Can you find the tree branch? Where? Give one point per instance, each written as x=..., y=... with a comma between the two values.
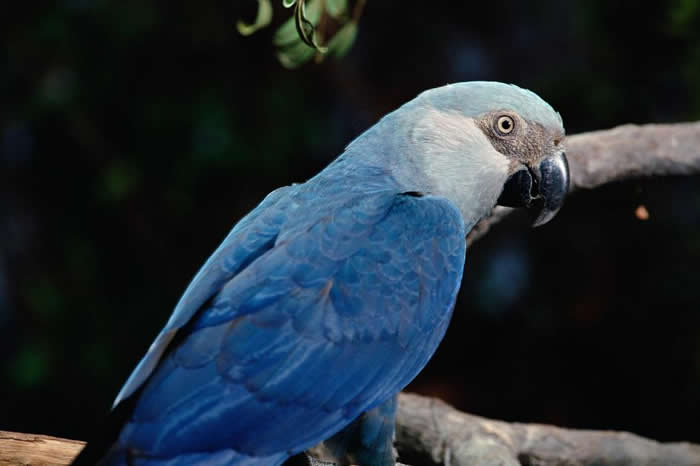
x=628, y=151
x=36, y=450
x=433, y=433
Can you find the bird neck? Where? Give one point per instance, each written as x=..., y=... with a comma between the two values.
x=433, y=153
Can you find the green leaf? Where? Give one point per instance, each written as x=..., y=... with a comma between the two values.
x=336, y=8
x=312, y=11
x=342, y=41
x=262, y=19
x=288, y=3
x=306, y=27
x=296, y=54
x=287, y=34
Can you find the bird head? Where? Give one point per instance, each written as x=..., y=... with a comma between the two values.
x=538, y=171
x=480, y=144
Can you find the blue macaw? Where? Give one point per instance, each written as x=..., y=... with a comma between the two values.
x=331, y=295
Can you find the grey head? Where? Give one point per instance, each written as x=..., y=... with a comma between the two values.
x=478, y=144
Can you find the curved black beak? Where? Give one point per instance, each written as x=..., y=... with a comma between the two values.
x=540, y=188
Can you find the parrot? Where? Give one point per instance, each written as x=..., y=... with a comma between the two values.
x=331, y=295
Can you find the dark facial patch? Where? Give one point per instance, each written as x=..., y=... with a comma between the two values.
x=527, y=142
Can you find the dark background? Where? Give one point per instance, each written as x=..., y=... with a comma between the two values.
x=133, y=134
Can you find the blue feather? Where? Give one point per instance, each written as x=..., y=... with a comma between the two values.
x=310, y=321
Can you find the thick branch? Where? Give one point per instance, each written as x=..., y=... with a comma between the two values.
x=624, y=152
x=631, y=151
x=36, y=450
x=430, y=431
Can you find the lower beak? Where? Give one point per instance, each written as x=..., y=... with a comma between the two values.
x=540, y=188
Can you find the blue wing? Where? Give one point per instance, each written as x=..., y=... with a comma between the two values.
x=319, y=322
x=249, y=238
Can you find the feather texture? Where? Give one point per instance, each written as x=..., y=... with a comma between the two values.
x=303, y=323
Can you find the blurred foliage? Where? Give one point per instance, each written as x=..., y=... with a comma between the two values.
x=134, y=134
x=263, y=18
x=684, y=16
x=312, y=24
x=30, y=366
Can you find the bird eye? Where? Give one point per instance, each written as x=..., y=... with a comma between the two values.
x=505, y=124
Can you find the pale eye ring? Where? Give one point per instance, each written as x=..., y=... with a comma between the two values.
x=505, y=124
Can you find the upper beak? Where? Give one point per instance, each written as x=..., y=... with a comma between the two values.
x=541, y=188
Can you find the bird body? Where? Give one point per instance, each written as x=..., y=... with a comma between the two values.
x=329, y=297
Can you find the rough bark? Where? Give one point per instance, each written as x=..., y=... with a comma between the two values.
x=36, y=450
x=431, y=432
